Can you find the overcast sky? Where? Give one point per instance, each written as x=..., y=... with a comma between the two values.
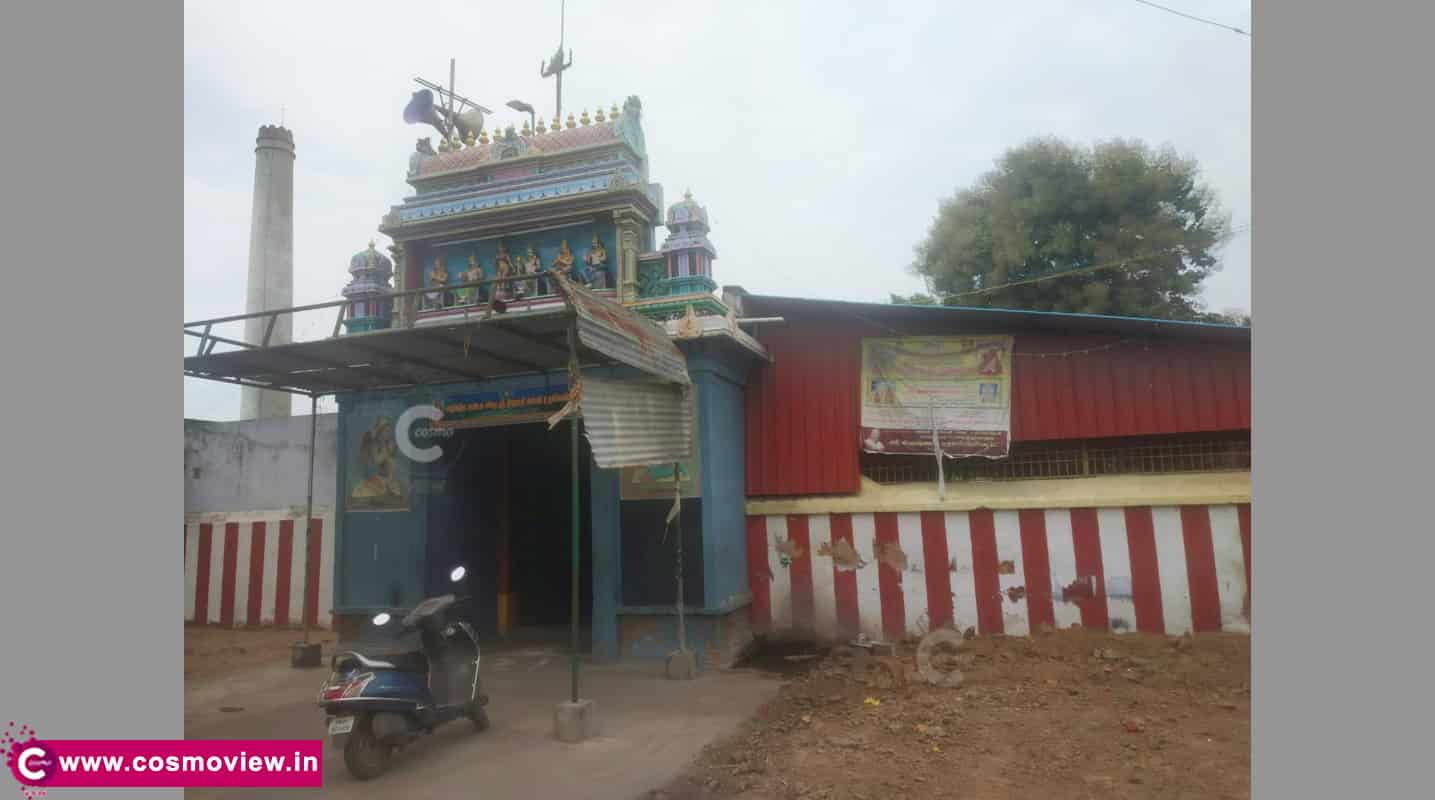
x=820, y=135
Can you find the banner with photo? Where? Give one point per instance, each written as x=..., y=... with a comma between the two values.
x=959, y=385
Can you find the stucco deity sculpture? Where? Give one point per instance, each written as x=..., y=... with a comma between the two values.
x=437, y=278
x=503, y=268
x=473, y=273
x=597, y=262
x=532, y=265
x=563, y=262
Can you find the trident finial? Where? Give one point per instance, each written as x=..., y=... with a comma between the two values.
x=556, y=66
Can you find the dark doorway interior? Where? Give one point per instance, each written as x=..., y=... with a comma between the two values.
x=514, y=506
x=541, y=519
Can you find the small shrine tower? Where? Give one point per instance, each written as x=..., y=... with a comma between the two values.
x=369, y=289
x=679, y=275
x=689, y=253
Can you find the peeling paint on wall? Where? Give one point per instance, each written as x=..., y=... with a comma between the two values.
x=1083, y=588
x=891, y=555
x=789, y=548
x=1062, y=568
x=843, y=556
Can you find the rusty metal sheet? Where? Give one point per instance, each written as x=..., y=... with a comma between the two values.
x=622, y=335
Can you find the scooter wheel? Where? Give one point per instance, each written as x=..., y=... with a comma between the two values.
x=479, y=715
x=365, y=756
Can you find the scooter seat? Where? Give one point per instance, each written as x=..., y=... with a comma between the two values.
x=371, y=663
x=403, y=662
x=409, y=662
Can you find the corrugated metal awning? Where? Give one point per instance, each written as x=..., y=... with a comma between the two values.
x=636, y=422
x=488, y=344
x=608, y=328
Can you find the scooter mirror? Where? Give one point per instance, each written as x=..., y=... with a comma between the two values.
x=457, y=574
x=381, y=618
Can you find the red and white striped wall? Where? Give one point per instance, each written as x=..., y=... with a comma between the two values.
x=248, y=569
x=1162, y=569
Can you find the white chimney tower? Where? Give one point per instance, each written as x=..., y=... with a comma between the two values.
x=271, y=258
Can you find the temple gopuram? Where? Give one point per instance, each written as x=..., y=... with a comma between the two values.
x=575, y=198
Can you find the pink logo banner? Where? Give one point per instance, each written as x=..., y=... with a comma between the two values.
x=155, y=763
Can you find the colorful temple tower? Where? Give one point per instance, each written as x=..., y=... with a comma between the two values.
x=369, y=289
x=575, y=199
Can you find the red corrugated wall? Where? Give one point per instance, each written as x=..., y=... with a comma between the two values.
x=803, y=411
x=1136, y=388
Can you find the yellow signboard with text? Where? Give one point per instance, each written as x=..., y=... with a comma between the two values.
x=957, y=386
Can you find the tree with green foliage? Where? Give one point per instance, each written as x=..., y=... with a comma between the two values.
x=1231, y=316
x=918, y=299
x=1133, y=226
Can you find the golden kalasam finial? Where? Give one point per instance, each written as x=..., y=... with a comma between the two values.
x=483, y=136
x=571, y=122
x=443, y=145
x=557, y=123
x=527, y=131
x=542, y=126
x=470, y=139
x=613, y=113
x=585, y=119
x=598, y=116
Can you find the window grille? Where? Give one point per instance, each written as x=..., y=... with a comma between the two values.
x=1155, y=455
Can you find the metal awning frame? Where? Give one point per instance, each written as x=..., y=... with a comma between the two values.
x=526, y=342
x=315, y=372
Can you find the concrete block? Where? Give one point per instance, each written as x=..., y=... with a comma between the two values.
x=303, y=655
x=682, y=665
x=575, y=722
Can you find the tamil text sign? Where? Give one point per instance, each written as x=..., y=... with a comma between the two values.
x=959, y=386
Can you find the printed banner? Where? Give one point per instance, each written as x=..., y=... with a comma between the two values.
x=959, y=385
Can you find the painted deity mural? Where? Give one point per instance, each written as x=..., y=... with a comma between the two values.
x=376, y=484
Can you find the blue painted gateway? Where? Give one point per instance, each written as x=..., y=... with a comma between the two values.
x=476, y=469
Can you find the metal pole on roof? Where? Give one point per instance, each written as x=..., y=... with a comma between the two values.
x=309, y=505
x=573, y=481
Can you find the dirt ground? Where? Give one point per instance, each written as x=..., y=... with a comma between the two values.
x=1070, y=714
x=212, y=652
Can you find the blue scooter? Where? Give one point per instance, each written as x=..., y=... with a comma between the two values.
x=400, y=681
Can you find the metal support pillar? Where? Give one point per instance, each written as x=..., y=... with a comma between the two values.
x=305, y=654
x=573, y=480
x=309, y=506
